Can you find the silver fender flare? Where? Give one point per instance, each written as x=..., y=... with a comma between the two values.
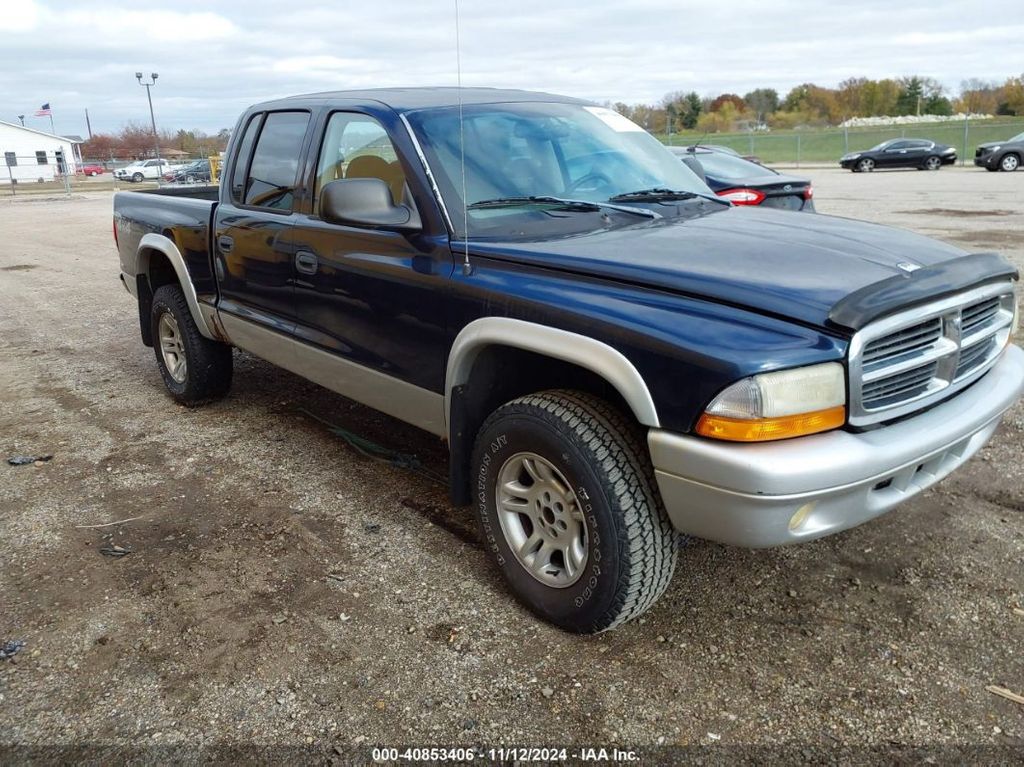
x=586, y=352
x=162, y=244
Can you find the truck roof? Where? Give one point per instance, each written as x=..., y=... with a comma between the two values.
x=409, y=99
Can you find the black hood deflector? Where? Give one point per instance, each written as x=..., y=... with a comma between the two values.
x=924, y=285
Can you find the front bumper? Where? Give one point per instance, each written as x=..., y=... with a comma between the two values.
x=747, y=495
x=987, y=160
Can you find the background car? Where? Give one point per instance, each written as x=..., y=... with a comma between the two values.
x=143, y=169
x=1001, y=155
x=919, y=153
x=727, y=150
x=747, y=183
x=193, y=173
x=92, y=169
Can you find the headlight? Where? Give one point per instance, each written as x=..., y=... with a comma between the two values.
x=852, y=156
x=788, y=403
x=994, y=148
x=948, y=150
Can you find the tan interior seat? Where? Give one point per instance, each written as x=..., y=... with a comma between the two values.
x=371, y=166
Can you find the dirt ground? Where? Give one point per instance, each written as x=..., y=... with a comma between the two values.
x=282, y=589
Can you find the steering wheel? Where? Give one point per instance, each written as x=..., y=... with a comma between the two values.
x=596, y=178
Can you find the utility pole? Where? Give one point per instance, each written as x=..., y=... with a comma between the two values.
x=88, y=126
x=156, y=138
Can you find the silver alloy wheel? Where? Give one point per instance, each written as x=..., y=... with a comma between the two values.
x=933, y=163
x=541, y=520
x=866, y=165
x=1009, y=163
x=172, y=347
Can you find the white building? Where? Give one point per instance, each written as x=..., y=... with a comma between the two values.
x=30, y=155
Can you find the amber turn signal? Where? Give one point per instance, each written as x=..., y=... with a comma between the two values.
x=764, y=429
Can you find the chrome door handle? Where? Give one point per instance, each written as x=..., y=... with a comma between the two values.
x=306, y=262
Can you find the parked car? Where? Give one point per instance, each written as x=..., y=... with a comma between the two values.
x=193, y=173
x=900, y=153
x=611, y=353
x=1001, y=155
x=747, y=183
x=92, y=169
x=143, y=169
x=725, y=149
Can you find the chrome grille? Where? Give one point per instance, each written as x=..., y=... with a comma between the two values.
x=913, y=359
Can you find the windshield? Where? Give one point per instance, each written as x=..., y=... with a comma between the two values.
x=1015, y=139
x=883, y=145
x=728, y=167
x=550, y=150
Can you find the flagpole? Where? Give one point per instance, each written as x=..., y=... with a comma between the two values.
x=52, y=129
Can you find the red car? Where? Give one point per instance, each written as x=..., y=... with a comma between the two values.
x=92, y=169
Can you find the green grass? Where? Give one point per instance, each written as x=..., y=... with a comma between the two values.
x=828, y=144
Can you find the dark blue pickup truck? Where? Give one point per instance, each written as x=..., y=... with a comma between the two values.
x=613, y=354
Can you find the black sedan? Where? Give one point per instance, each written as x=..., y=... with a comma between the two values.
x=917, y=153
x=747, y=183
x=1001, y=155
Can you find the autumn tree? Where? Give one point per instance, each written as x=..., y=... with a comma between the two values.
x=763, y=101
x=1011, y=96
x=978, y=96
x=101, y=146
x=719, y=102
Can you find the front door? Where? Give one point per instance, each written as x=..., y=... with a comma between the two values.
x=253, y=255
x=372, y=298
x=895, y=155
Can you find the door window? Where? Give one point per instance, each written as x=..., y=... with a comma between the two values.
x=275, y=163
x=242, y=159
x=357, y=146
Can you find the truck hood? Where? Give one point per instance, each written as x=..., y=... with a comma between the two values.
x=795, y=266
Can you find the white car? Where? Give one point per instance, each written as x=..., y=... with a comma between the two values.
x=144, y=169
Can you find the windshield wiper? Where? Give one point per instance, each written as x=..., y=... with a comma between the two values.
x=580, y=205
x=660, y=194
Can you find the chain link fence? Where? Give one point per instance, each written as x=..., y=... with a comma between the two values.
x=826, y=145
x=43, y=173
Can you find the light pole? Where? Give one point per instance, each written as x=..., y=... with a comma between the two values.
x=156, y=138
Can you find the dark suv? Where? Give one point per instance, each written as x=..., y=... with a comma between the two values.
x=1001, y=155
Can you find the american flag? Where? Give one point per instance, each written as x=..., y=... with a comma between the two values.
x=43, y=111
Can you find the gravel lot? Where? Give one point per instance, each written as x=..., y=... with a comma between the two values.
x=283, y=589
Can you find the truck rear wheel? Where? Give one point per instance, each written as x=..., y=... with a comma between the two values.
x=569, y=510
x=194, y=368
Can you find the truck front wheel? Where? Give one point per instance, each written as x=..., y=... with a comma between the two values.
x=569, y=510
x=194, y=368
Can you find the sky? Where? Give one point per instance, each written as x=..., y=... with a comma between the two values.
x=215, y=58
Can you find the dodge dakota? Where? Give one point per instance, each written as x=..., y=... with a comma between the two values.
x=614, y=356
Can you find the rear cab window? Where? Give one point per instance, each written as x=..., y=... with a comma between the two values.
x=266, y=168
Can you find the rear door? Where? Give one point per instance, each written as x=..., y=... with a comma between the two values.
x=253, y=252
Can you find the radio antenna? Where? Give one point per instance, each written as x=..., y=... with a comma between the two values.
x=467, y=268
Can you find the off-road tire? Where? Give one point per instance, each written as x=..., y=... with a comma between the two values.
x=208, y=363
x=631, y=544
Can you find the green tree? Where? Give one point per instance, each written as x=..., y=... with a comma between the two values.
x=763, y=101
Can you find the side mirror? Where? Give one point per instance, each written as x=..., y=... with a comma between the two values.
x=693, y=164
x=364, y=202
